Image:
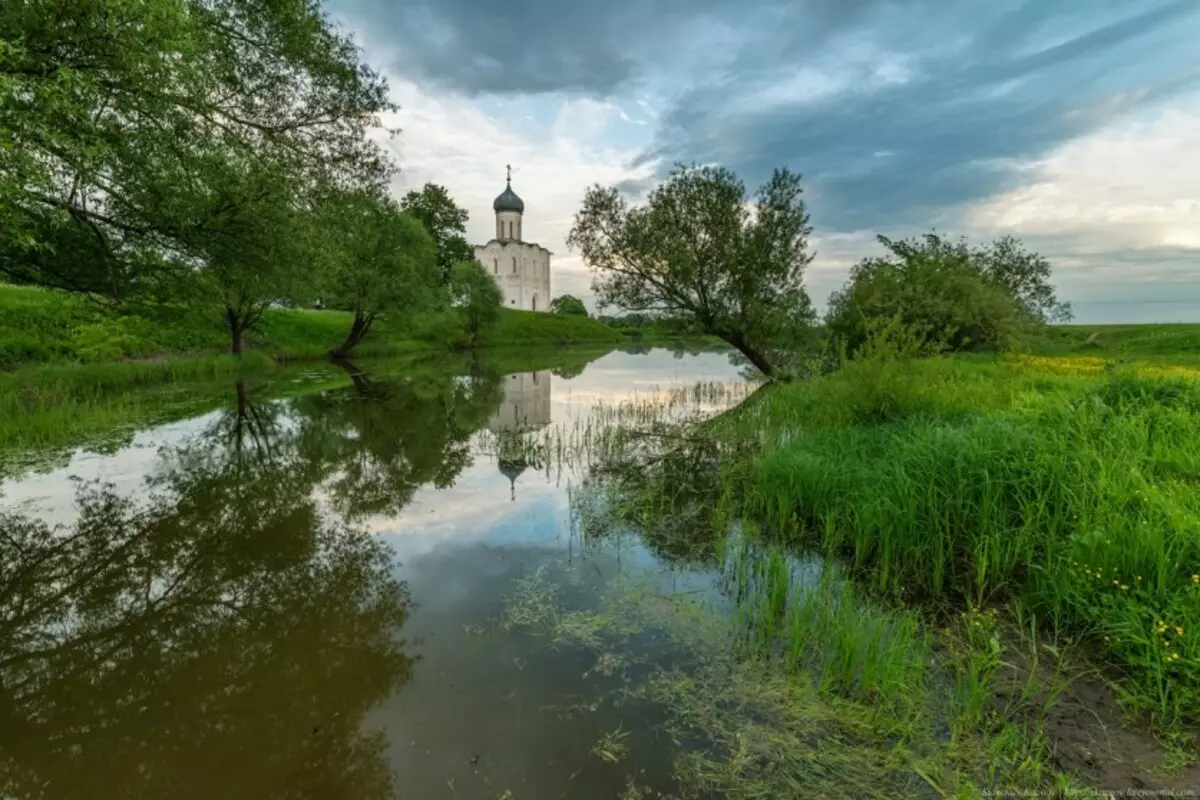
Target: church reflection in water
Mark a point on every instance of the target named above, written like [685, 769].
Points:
[524, 412]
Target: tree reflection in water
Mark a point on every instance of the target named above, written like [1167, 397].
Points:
[216, 638]
[381, 440]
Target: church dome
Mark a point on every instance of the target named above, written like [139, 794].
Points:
[508, 201]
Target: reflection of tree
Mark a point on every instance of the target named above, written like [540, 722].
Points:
[664, 485]
[380, 440]
[216, 639]
[569, 371]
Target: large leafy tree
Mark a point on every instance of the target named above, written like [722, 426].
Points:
[700, 248]
[446, 222]
[1025, 275]
[476, 296]
[114, 112]
[376, 259]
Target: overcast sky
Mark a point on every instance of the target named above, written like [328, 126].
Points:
[1074, 125]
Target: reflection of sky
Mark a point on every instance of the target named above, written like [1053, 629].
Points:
[51, 495]
[480, 504]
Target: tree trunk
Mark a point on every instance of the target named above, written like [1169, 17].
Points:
[358, 331]
[738, 340]
[362, 384]
[236, 329]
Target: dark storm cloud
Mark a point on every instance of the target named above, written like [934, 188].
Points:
[901, 154]
[976, 86]
[594, 46]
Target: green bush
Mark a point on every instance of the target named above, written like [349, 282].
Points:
[963, 298]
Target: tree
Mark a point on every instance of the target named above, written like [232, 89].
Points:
[698, 248]
[251, 247]
[446, 223]
[954, 296]
[476, 296]
[1025, 275]
[112, 114]
[569, 305]
[377, 259]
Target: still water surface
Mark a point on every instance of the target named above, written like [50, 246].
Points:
[302, 597]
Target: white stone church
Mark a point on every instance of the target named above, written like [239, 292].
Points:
[521, 268]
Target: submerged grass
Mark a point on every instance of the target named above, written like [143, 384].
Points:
[996, 518]
[830, 696]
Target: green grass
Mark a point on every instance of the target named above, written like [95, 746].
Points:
[1069, 487]
[42, 327]
[1174, 342]
[70, 368]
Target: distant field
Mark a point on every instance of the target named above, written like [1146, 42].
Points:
[1167, 340]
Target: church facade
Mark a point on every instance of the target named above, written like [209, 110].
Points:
[520, 268]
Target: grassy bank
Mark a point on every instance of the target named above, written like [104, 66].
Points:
[1060, 491]
[39, 327]
[63, 360]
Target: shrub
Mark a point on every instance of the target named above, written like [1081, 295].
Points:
[963, 298]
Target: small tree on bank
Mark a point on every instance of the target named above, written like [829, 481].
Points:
[379, 259]
[251, 246]
[569, 305]
[476, 296]
[699, 248]
[445, 221]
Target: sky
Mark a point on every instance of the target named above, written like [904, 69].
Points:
[1072, 125]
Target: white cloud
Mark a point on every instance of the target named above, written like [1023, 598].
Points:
[1131, 185]
[452, 141]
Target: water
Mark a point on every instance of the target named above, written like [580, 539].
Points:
[314, 596]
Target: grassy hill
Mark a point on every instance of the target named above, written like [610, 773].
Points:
[43, 327]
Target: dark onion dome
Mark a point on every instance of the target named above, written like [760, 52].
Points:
[508, 201]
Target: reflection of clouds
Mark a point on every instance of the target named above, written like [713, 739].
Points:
[50, 496]
[478, 507]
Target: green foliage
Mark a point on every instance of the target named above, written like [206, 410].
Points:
[377, 259]
[476, 296]
[114, 115]
[41, 327]
[568, 304]
[966, 299]
[700, 248]
[1074, 496]
[164, 150]
[446, 223]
